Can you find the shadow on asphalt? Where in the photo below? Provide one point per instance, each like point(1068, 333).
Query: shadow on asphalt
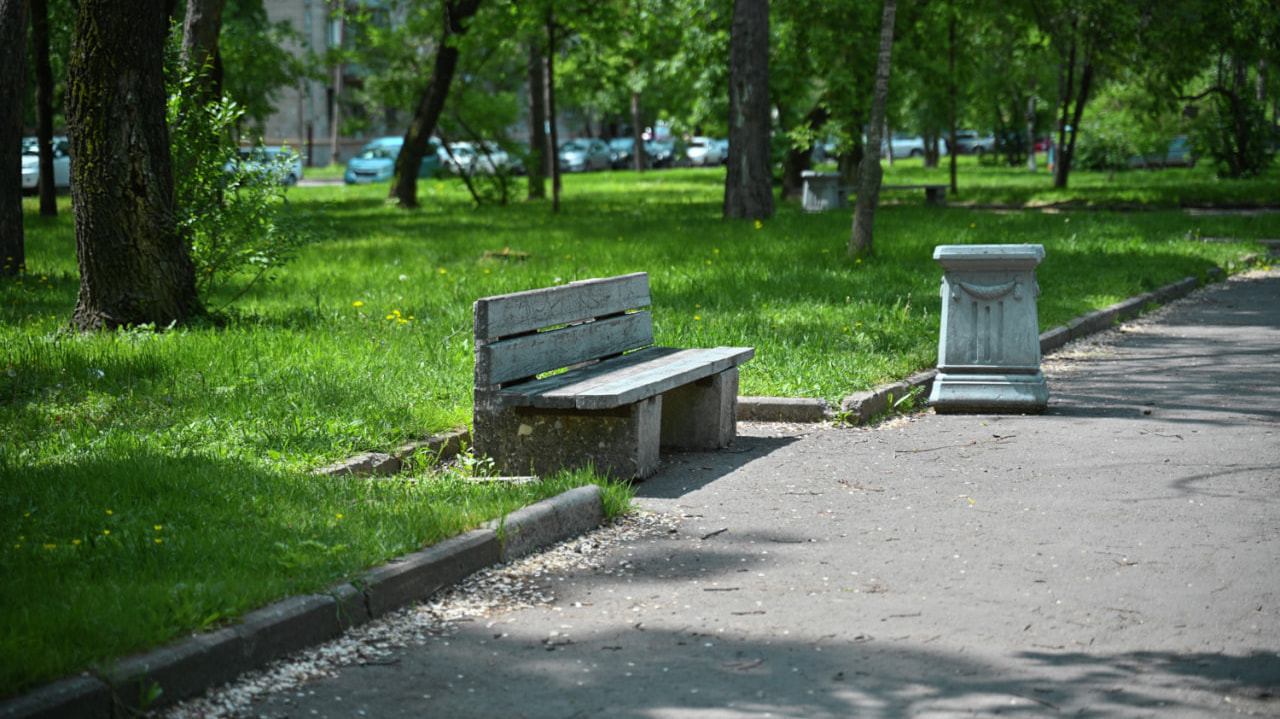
point(684, 472)
point(667, 673)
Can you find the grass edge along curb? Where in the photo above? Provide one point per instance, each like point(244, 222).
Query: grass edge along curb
point(186, 668)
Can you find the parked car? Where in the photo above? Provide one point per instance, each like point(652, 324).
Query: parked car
point(31, 164)
point(1178, 154)
point(376, 161)
point(272, 164)
point(622, 152)
point(970, 142)
point(703, 152)
point(908, 146)
point(486, 158)
point(724, 150)
point(668, 153)
point(584, 154)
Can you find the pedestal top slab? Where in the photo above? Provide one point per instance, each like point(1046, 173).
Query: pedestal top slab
point(988, 257)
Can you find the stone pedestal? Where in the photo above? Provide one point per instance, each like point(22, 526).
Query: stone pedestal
point(989, 349)
point(822, 191)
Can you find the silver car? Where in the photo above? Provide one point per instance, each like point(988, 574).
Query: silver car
point(31, 164)
point(584, 155)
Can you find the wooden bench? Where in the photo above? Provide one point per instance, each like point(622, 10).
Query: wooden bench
point(823, 191)
point(618, 398)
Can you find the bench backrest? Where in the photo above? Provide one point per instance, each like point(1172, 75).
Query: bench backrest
point(523, 334)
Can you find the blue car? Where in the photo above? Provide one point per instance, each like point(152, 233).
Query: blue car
point(376, 161)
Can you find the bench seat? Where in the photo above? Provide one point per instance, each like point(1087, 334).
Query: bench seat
point(618, 381)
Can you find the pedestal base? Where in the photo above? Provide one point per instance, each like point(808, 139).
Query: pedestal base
point(979, 393)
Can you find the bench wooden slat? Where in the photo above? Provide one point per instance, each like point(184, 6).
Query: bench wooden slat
point(627, 379)
point(522, 394)
point(531, 355)
point(519, 312)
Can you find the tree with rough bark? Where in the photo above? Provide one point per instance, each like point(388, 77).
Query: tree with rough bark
point(13, 75)
point(404, 185)
point(748, 187)
point(871, 173)
point(135, 267)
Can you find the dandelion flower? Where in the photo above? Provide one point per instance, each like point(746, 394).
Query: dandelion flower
point(357, 303)
point(759, 224)
point(158, 527)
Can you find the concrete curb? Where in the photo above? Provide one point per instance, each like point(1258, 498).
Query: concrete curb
point(188, 667)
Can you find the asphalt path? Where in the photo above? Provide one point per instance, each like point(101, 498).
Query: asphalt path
point(1118, 556)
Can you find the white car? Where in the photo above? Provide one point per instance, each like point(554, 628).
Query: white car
point(486, 159)
point(704, 152)
point(909, 146)
point(274, 163)
point(31, 164)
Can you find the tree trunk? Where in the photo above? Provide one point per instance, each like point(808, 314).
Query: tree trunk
point(335, 103)
point(639, 158)
point(135, 267)
point(200, 31)
point(1030, 117)
point(553, 130)
point(748, 189)
point(537, 164)
point(404, 185)
point(864, 210)
point(13, 80)
point(44, 106)
point(951, 128)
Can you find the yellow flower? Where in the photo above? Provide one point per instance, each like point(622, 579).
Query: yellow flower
point(110, 512)
point(759, 224)
point(858, 261)
point(358, 304)
point(106, 531)
point(76, 542)
point(697, 317)
point(158, 528)
point(159, 541)
point(339, 516)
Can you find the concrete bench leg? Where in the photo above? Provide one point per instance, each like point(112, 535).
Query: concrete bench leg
point(622, 443)
point(935, 196)
point(702, 415)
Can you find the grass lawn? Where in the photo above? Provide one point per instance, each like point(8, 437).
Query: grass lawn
point(155, 484)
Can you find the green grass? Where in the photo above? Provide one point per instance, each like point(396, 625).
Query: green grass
point(365, 341)
point(1171, 188)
